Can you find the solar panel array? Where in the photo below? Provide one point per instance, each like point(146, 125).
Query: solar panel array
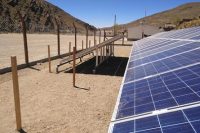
point(160, 92)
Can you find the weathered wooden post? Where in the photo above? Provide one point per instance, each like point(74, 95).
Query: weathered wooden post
point(94, 37)
point(75, 30)
point(82, 45)
point(97, 56)
point(49, 58)
point(70, 47)
point(104, 53)
point(16, 92)
point(123, 39)
point(86, 37)
point(58, 38)
point(25, 38)
point(74, 66)
point(104, 35)
point(99, 36)
point(101, 57)
point(89, 43)
point(142, 34)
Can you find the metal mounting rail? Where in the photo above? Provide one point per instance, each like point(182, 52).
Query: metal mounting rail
point(89, 50)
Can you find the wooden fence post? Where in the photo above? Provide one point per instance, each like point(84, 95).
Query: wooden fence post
point(104, 35)
point(97, 57)
point(123, 39)
point(49, 58)
point(94, 37)
point(58, 38)
point(75, 30)
point(25, 39)
point(99, 36)
point(16, 92)
point(74, 66)
point(70, 47)
point(82, 45)
point(86, 37)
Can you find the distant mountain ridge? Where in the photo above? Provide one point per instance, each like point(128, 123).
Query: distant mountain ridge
point(172, 16)
point(189, 11)
point(39, 16)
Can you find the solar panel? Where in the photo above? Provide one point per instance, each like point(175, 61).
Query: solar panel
point(180, 121)
point(163, 73)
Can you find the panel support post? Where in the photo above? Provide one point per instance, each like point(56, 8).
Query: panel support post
point(97, 61)
point(89, 43)
point(99, 36)
point(58, 38)
point(74, 66)
point(123, 39)
point(82, 45)
point(70, 48)
point(24, 38)
point(104, 35)
point(94, 37)
point(49, 58)
point(16, 92)
point(86, 37)
point(75, 30)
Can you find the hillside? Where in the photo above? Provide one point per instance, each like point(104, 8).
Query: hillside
point(173, 16)
point(189, 10)
point(39, 16)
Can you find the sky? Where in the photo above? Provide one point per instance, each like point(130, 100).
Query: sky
point(100, 13)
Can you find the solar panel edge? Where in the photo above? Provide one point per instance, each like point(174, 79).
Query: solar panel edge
point(121, 87)
point(155, 113)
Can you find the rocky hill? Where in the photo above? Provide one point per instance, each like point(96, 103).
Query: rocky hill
point(173, 16)
point(39, 16)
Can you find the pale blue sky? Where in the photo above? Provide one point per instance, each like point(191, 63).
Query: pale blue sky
point(100, 13)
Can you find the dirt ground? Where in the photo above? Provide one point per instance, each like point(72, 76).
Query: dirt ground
point(12, 44)
point(50, 104)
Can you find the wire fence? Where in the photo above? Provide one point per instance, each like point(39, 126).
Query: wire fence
point(38, 38)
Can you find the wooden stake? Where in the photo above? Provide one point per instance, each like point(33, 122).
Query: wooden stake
point(94, 37)
point(86, 37)
point(49, 58)
point(104, 39)
point(82, 45)
point(89, 43)
point(99, 36)
point(74, 66)
point(16, 92)
point(25, 38)
point(75, 35)
point(70, 47)
point(97, 57)
point(101, 60)
point(58, 38)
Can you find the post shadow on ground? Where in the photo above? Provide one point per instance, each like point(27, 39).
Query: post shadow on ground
point(22, 131)
point(113, 66)
point(82, 88)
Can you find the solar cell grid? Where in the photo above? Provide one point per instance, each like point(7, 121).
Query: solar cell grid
point(181, 121)
point(162, 74)
point(160, 49)
point(167, 90)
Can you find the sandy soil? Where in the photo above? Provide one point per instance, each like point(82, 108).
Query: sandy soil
point(49, 103)
point(12, 44)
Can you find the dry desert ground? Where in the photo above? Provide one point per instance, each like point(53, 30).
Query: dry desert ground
point(12, 44)
point(50, 103)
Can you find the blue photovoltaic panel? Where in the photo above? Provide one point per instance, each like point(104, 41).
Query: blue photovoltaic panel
point(163, 73)
point(167, 90)
point(152, 65)
point(181, 121)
